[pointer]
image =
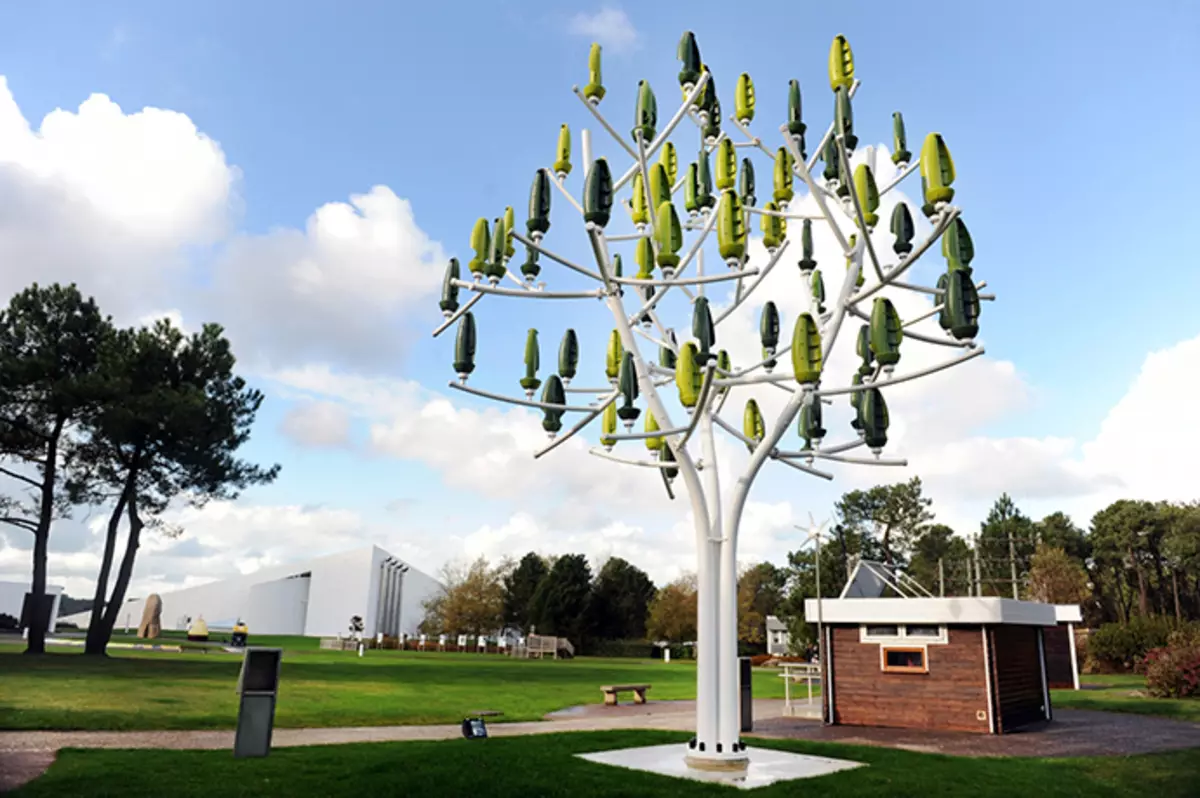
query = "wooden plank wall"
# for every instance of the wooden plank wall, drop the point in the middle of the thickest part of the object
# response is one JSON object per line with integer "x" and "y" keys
{"x": 1017, "y": 674}
{"x": 952, "y": 695}
{"x": 1057, "y": 642}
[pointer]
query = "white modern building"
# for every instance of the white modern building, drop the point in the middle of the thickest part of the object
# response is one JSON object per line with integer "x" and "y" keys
{"x": 316, "y": 598}
{"x": 12, "y": 598}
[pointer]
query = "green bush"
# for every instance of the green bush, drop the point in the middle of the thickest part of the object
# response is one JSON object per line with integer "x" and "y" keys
{"x": 1174, "y": 670}
{"x": 1121, "y": 647}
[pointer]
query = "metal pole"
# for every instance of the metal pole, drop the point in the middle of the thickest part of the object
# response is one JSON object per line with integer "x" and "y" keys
{"x": 941, "y": 578}
{"x": 1012, "y": 563}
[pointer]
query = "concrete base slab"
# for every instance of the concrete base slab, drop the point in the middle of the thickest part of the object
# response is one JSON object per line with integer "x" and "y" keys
{"x": 767, "y": 766}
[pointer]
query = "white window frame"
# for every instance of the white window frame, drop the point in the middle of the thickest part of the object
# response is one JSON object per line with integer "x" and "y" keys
{"x": 902, "y": 638}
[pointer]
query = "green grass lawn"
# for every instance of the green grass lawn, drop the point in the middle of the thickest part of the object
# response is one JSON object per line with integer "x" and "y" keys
{"x": 545, "y": 766}
{"x": 163, "y": 690}
{"x": 1125, "y": 693}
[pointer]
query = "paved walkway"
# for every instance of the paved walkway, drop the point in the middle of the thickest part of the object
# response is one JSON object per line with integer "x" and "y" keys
{"x": 1074, "y": 732}
{"x": 25, "y": 755}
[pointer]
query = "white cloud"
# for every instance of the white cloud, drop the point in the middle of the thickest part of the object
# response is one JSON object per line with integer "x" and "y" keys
{"x": 318, "y": 424}
{"x": 107, "y": 199}
{"x": 338, "y": 291}
{"x": 609, "y": 26}
{"x": 1149, "y": 437}
{"x": 117, "y": 202}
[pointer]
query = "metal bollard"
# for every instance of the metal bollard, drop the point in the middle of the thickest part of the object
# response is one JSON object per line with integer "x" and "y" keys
{"x": 258, "y": 685}
{"x": 747, "y": 695}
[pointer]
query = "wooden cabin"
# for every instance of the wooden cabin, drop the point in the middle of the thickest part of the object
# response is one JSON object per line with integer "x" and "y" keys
{"x": 972, "y": 664}
{"x": 1062, "y": 660}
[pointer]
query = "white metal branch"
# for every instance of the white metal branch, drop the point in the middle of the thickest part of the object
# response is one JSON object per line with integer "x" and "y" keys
{"x": 858, "y": 211}
{"x": 701, "y": 403}
{"x": 698, "y": 280}
{"x": 662, "y": 342}
{"x": 802, "y": 169}
{"x": 916, "y": 336}
{"x": 526, "y": 293}
{"x": 558, "y": 258}
{"x": 829, "y": 130}
{"x": 753, "y": 139}
{"x": 762, "y": 275}
{"x": 643, "y": 463}
{"x": 781, "y": 214}
{"x": 806, "y": 469}
{"x": 905, "y": 172}
{"x": 588, "y": 419}
{"x": 894, "y": 273}
{"x": 563, "y": 190}
{"x": 683, "y": 264}
{"x": 896, "y": 380}
{"x": 641, "y": 436}
{"x": 604, "y": 122}
{"x": 456, "y": 315}
{"x": 524, "y": 285}
{"x": 651, "y": 211}
{"x": 666, "y": 131}
{"x": 523, "y": 402}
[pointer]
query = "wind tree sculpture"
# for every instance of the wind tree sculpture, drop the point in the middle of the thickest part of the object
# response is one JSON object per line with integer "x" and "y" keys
{"x": 700, "y": 376}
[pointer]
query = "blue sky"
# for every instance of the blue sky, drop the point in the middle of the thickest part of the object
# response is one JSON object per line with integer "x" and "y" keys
{"x": 1070, "y": 124}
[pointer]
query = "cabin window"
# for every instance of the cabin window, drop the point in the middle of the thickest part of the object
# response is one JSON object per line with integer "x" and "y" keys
{"x": 901, "y": 659}
{"x": 922, "y": 631}
{"x": 899, "y": 634}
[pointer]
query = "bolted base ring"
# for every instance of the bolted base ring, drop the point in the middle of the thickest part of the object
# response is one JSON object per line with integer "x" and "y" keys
{"x": 718, "y": 764}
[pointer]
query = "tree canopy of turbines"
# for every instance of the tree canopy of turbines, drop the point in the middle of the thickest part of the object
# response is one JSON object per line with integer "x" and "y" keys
{"x": 666, "y": 379}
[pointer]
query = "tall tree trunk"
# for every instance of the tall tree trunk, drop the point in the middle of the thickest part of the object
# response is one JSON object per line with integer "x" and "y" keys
{"x": 1160, "y": 587}
{"x": 113, "y": 611}
{"x": 845, "y": 553}
{"x": 1143, "y": 607}
{"x": 887, "y": 544}
{"x": 97, "y": 634}
{"x": 41, "y": 538}
{"x": 1122, "y": 603}
{"x": 1175, "y": 591}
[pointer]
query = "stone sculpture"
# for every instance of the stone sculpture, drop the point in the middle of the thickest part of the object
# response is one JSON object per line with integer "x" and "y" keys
{"x": 151, "y": 624}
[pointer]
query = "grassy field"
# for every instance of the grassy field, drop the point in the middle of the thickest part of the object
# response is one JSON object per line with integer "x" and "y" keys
{"x": 162, "y": 690}
{"x": 1125, "y": 693}
{"x": 545, "y": 766}
{"x": 196, "y": 690}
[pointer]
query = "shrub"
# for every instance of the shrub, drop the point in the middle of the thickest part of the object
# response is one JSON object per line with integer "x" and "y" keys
{"x": 7, "y": 621}
{"x": 1121, "y": 647}
{"x": 1173, "y": 671}
{"x": 1186, "y": 635}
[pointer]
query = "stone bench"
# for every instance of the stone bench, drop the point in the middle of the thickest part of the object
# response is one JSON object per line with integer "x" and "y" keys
{"x": 611, "y": 691}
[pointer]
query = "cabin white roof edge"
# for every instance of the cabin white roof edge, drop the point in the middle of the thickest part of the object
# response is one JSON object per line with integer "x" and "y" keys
{"x": 956, "y": 610}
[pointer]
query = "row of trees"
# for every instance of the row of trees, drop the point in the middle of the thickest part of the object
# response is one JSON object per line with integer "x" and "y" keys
{"x": 561, "y": 596}
{"x": 1135, "y": 559}
{"x": 130, "y": 420}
